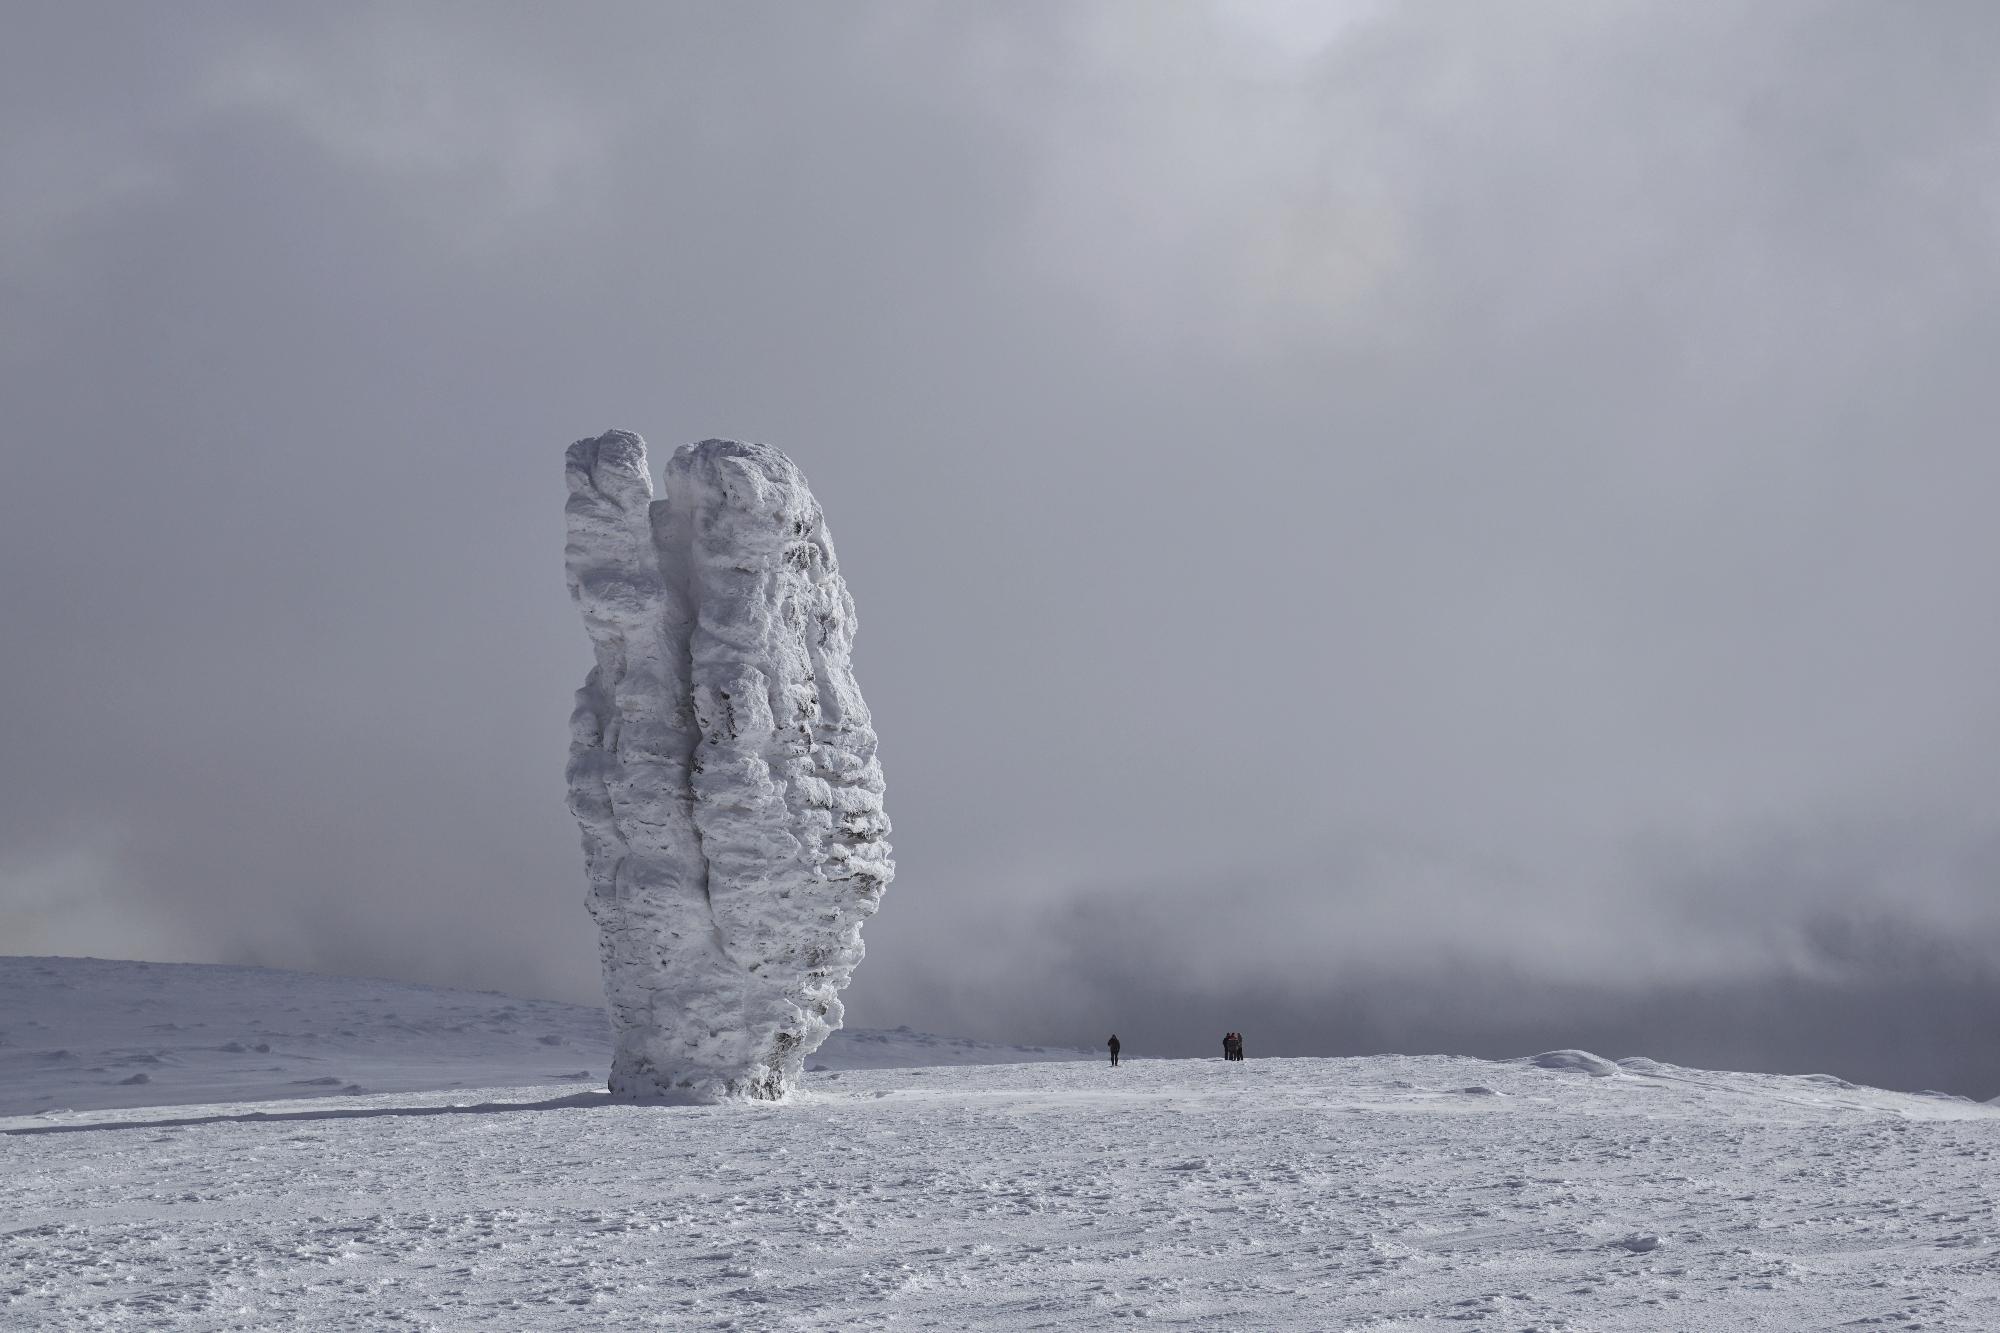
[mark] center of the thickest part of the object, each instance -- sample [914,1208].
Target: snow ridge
[722,766]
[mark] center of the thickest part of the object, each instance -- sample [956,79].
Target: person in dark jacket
[1112,1045]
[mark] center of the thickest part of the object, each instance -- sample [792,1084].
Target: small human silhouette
[1113,1046]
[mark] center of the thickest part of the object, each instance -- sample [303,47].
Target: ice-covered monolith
[722,766]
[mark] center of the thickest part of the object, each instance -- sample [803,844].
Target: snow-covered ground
[88,1033]
[1387,1192]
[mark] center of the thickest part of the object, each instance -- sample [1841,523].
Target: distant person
[1239,1046]
[1229,1045]
[1112,1046]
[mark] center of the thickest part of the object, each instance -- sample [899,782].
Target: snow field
[78,1033]
[1384,1193]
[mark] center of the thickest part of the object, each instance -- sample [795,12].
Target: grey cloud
[1463,517]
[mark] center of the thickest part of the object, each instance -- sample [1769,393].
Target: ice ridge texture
[722,766]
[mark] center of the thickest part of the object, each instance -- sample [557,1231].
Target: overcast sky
[1462,527]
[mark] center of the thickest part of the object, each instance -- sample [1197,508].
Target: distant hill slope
[90,1033]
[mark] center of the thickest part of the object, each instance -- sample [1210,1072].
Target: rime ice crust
[722,766]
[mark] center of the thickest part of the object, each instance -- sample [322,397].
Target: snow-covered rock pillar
[722,766]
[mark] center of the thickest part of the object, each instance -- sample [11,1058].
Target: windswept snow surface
[78,1033]
[1560,1191]
[1383,1193]
[722,765]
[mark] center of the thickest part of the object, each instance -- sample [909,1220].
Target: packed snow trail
[1382,1193]
[722,765]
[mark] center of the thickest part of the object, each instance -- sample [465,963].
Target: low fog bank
[1800,985]
[1911,1034]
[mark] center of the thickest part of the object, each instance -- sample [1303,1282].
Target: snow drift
[722,766]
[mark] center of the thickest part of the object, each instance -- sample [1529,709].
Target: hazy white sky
[1460,525]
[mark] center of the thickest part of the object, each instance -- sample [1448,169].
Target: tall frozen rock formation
[722,766]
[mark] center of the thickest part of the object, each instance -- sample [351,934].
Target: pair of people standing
[1232,1046]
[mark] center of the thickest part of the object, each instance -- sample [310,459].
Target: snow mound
[1582,1062]
[722,766]
[1829,1080]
